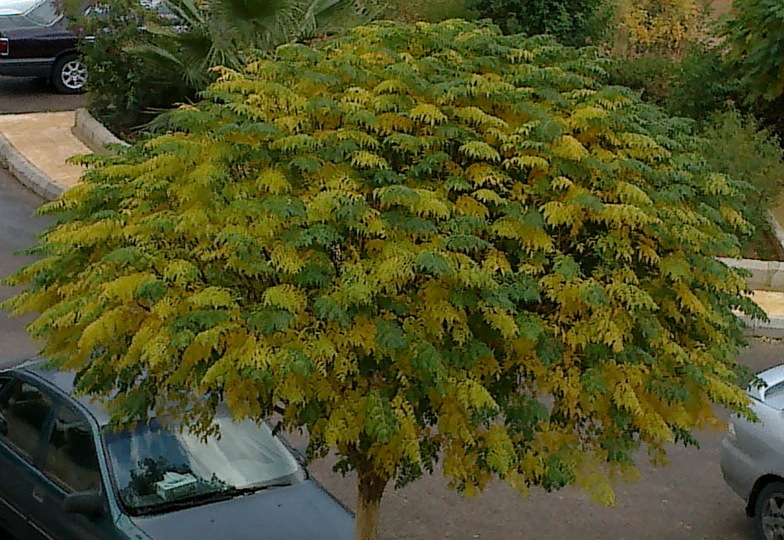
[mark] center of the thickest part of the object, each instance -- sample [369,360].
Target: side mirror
[89,503]
[3,426]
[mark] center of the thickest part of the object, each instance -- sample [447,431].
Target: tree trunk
[370,489]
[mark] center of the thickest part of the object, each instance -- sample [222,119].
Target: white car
[752,456]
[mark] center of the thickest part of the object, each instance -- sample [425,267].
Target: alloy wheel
[772,517]
[74,74]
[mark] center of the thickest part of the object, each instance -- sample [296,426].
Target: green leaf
[390,335]
[380,422]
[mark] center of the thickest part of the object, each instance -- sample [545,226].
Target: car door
[26,410]
[43,41]
[69,464]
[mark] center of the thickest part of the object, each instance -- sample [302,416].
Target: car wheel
[69,74]
[769,512]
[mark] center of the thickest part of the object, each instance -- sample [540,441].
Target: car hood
[302,511]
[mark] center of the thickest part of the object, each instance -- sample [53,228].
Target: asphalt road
[18,228]
[686,500]
[22,95]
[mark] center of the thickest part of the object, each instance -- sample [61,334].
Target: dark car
[66,474]
[35,41]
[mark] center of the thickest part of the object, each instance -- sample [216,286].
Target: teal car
[65,474]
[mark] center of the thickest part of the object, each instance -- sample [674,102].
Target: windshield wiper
[208,498]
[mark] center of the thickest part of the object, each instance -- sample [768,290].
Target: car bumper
[738,469]
[36,67]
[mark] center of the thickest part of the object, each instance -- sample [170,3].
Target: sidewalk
[46,140]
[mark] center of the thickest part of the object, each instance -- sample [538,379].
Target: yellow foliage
[658,25]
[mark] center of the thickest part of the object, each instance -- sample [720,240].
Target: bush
[651,74]
[125,88]
[755,36]
[656,26]
[423,242]
[432,11]
[696,85]
[702,83]
[736,146]
[135,74]
[573,22]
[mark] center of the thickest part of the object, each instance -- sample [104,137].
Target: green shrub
[651,74]
[702,84]
[125,88]
[432,11]
[135,74]
[755,35]
[736,146]
[573,22]
[696,85]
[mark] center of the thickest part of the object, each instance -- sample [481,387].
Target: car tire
[769,512]
[69,74]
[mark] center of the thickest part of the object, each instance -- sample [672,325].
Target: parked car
[752,456]
[66,474]
[35,41]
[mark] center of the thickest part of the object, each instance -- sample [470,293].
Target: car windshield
[15,7]
[43,14]
[27,14]
[157,468]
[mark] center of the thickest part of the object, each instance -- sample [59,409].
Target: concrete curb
[778,230]
[765,275]
[94,134]
[27,173]
[772,328]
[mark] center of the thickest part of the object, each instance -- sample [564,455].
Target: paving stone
[46,140]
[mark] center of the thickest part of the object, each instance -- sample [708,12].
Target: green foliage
[697,84]
[702,85]
[135,73]
[753,158]
[125,89]
[652,74]
[432,11]
[223,32]
[424,242]
[755,35]
[573,22]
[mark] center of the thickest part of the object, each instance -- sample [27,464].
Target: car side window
[25,409]
[71,459]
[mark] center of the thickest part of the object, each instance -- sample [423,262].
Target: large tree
[427,243]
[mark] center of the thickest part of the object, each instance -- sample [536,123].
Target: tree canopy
[423,243]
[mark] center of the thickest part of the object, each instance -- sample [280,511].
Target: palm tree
[197,35]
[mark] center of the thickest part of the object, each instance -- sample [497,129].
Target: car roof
[38,368]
